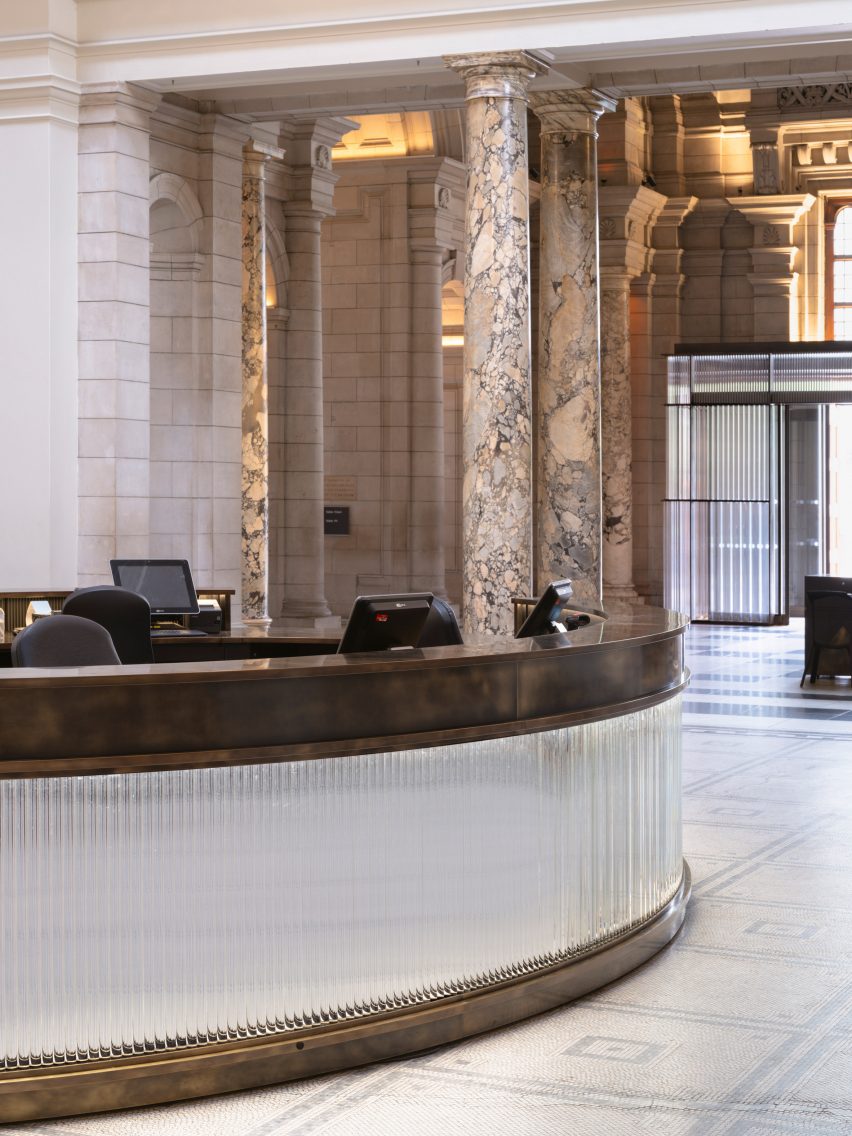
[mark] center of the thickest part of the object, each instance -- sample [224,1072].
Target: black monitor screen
[546,616]
[383,623]
[166,584]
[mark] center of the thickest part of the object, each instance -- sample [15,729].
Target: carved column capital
[628,213]
[570,112]
[498,74]
[773,218]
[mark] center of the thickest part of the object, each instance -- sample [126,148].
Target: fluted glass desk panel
[158,910]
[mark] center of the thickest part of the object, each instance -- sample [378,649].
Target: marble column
[616,437]
[497,441]
[255,417]
[568,533]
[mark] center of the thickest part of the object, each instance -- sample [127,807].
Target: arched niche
[180,398]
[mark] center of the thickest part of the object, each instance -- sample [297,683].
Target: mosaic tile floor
[743,1027]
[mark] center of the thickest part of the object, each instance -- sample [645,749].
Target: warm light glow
[387,136]
[452,341]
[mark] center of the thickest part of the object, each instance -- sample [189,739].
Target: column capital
[570,112]
[310,144]
[773,217]
[627,216]
[257,154]
[498,74]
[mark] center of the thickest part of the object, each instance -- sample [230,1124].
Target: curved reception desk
[227,874]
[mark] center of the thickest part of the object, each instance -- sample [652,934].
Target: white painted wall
[38,348]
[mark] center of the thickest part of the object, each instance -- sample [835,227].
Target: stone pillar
[497,442]
[627,216]
[568,465]
[255,463]
[649,470]
[432,229]
[114,327]
[774,255]
[304,554]
[427,420]
[309,145]
[218,342]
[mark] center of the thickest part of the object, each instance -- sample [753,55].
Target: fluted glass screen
[159,910]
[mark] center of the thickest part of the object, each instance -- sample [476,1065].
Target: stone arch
[277,260]
[171,188]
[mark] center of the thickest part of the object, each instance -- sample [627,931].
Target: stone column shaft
[568,465]
[427,413]
[616,436]
[255,417]
[304,560]
[497,442]
[114,336]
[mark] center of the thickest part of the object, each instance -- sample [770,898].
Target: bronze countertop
[179,715]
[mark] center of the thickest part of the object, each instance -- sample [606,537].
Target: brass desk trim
[161,1077]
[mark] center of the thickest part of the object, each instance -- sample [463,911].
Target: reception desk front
[228,874]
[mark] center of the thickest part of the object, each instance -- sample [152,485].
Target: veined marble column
[568,534]
[616,436]
[255,417]
[497,443]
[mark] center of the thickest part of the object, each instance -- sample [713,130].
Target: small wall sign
[336,520]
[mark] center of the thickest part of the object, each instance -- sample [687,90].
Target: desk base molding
[160,1078]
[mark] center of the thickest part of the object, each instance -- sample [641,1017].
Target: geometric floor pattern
[742,1027]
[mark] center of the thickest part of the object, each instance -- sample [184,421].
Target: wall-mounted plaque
[339,488]
[336,520]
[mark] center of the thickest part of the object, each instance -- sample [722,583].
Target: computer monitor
[385,623]
[548,614]
[166,584]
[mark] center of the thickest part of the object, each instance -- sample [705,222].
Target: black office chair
[831,628]
[126,615]
[441,628]
[63,641]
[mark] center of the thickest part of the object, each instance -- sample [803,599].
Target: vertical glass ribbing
[722,548]
[732,378]
[806,377]
[155,910]
[679,369]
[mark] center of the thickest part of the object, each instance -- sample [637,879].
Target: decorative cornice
[817,95]
[773,217]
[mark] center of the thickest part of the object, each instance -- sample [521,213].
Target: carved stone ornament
[444,197]
[821,94]
[322,158]
[765,158]
[607,228]
[771,235]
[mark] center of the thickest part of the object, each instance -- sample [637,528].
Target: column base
[312,614]
[621,597]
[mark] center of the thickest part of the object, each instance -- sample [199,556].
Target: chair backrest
[126,615]
[441,628]
[63,641]
[831,616]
